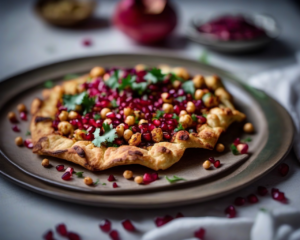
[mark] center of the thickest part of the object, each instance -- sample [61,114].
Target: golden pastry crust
[161,155]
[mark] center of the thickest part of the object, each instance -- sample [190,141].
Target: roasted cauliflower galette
[141,115]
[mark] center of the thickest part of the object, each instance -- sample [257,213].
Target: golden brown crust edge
[161,156]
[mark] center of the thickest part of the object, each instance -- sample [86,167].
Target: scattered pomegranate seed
[48,235]
[230,211]
[200,233]
[160,221]
[277,195]
[66,176]
[127,224]
[156,122]
[283,169]
[242,148]
[28,143]
[61,229]
[111,115]
[239,201]
[70,170]
[105,225]
[60,168]
[179,215]
[237,141]
[115,185]
[217,164]
[252,198]
[114,235]
[23,116]
[111,178]
[87,42]
[150,177]
[212,160]
[262,191]
[73,236]
[15,128]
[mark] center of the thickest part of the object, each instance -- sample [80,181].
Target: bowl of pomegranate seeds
[234,33]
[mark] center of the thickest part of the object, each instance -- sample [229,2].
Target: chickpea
[165,69]
[186,121]
[199,81]
[213,82]
[127,134]
[78,108]
[176,84]
[220,147]
[143,121]
[248,128]
[79,134]
[130,120]
[21,107]
[166,97]
[138,179]
[128,111]
[103,112]
[182,113]
[190,107]
[120,130]
[127,174]
[135,139]
[140,67]
[58,89]
[73,115]
[97,72]
[167,108]
[181,72]
[138,114]
[63,116]
[11,116]
[45,162]
[88,181]
[65,127]
[107,121]
[19,141]
[206,164]
[157,135]
[200,93]
[106,76]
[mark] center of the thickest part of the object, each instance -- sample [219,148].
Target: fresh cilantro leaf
[180,98]
[175,179]
[155,76]
[48,84]
[204,57]
[28,133]
[204,115]
[189,87]
[139,87]
[82,130]
[130,128]
[136,121]
[97,116]
[108,136]
[70,76]
[114,103]
[175,116]
[194,117]
[205,96]
[87,104]
[234,149]
[103,183]
[70,101]
[159,114]
[248,139]
[173,77]
[79,174]
[113,81]
[179,128]
[95,183]
[115,145]
[127,82]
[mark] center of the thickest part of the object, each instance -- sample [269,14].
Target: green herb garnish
[189,87]
[194,117]
[113,81]
[204,115]
[159,114]
[174,179]
[103,183]
[175,116]
[97,116]
[114,103]
[108,136]
[180,99]
[155,76]
[234,149]
[28,133]
[79,174]
[95,183]
[248,139]
[70,101]
[205,96]
[48,84]
[179,128]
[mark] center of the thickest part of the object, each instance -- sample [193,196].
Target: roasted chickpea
[166,97]
[181,72]
[127,134]
[167,108]
[209,100]
[128,174]
[165,69]
[97,72]
[206,164]
[182,113]
[213,82]
[128,111]
[79,134]
[176,84]
[78,108]
[63,116]
[138,114]
[58,89]
[45,162]
[143,121]
[138,179]
[73,115]
[21,107]
[186,121]
[65,127]
[120,130]
[220,147]
[135,139]
[190,107]
[103,112]
[248,128]
[88,181]
[140,67]
[157,135]
[130,120]
[200,93]
[12,116]
[19,141]
[199,81]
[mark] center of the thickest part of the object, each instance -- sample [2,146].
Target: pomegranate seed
[127,224]
[230,211]
[73,236]
[144,127]
[200,233]
[217,164]
[135,129]
[93,123]
[105,225]
[148,116]
[171,128]
[61,229]
[147,137]
[70,170]
[283,169]
[160,221]
[239,201]
[179,215]
[164,127]
[168,116]
[55,124]
[91,129]
[156,122]
[242,148]
[23,116]
[15,128]
[111,178]
[201,119]
[151,126]
[237,141]
[212,160]
[262,191]
[48,235]
[114,235]
[115,185]
[150,177]
[86,42]
[177,109]
[66,176]
[180,92]
[277,195]
[60,168]
[28,143]
[111,115]
[252,198]
[89,137]
[167,136]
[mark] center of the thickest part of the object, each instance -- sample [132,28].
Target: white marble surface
[26,42]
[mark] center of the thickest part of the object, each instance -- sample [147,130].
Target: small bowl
[267,23]
[65,13]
